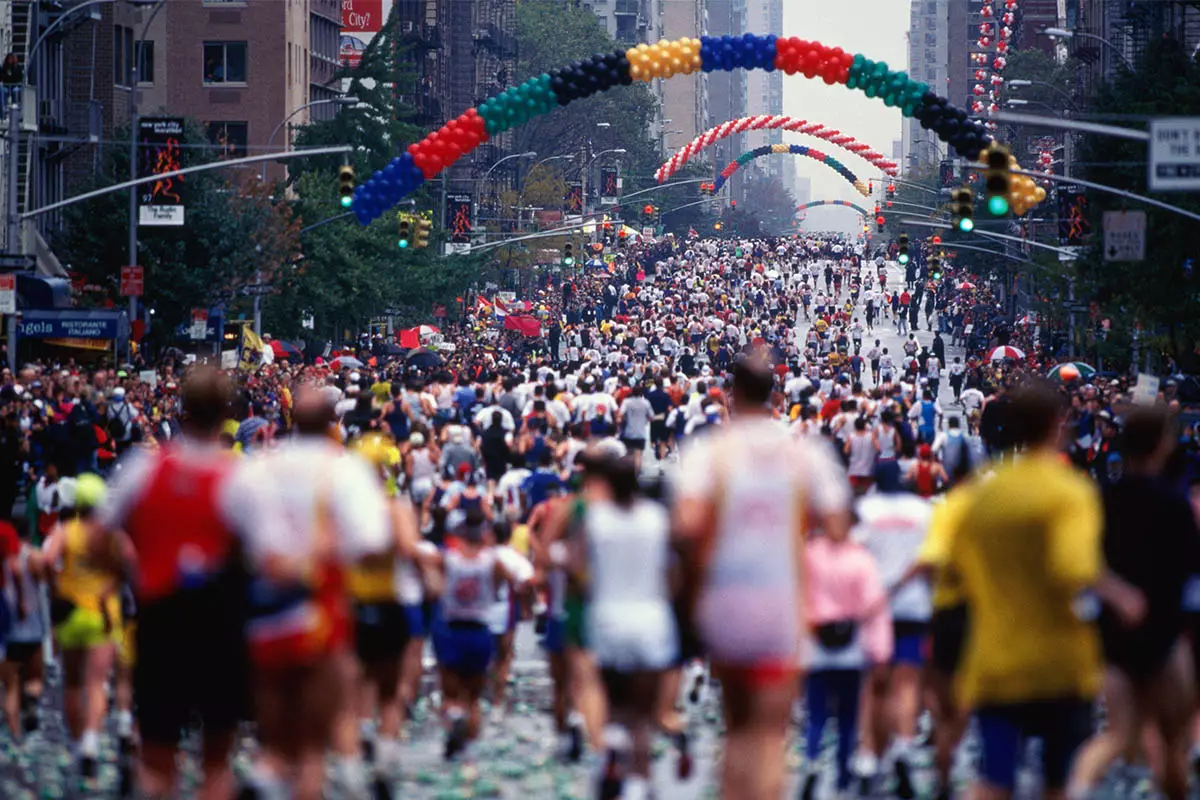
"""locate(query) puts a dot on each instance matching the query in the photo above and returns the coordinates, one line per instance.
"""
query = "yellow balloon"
(635, 72)
(1040, 194)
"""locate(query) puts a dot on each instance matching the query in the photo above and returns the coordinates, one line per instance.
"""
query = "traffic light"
(621, 235)
(935, 269)
(936, 239)
(649, 210)
(733, 203)
(423, 229)
(717, 226)
(903, 257)
(405, 232)
(891, 191)
(997, 180)
(963, 209)
(879, 223)
(707, 188)
(346, 185)
(568, 255)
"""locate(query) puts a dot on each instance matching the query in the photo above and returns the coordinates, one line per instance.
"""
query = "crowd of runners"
(711, 468)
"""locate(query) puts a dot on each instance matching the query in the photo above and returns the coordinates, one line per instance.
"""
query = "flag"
(250, 351)
(528, 326)
(692, 233)
(482, 306)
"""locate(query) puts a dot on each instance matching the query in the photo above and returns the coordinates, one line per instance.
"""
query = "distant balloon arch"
(540, 95)
(844, 203)
(789, 149)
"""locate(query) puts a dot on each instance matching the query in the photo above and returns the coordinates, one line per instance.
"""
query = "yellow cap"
(90, 491)
(230, 428)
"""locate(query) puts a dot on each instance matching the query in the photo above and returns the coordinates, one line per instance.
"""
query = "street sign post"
(8, 294)
(1124, 235)
(1175, 154)
(132, 281)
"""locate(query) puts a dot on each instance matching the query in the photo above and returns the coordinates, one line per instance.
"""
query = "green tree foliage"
(1158, 292)
(235, 231)
(772, 205)
(552, 34)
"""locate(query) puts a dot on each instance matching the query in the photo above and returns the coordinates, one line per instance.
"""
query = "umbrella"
(392, 349)
(966, 286)
(285, 349)
(346, 362)
(1071, 370)
(1001, 353)
(424, 358)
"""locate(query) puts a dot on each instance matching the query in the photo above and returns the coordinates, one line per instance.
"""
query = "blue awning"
(37, 291)
(73, 324)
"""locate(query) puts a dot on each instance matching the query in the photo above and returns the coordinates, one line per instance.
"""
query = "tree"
(552, 34)
(235, 232)
(1160, 293)
(772, 205)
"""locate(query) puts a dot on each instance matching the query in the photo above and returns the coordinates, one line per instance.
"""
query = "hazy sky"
(876, 28)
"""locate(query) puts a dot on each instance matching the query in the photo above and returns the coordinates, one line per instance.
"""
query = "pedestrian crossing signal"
(346, 185)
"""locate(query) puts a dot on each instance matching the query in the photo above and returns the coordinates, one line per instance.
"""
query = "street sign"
(1124, 235)
(132, 281)
(8, 294)
(199, 329)
(1175, 154)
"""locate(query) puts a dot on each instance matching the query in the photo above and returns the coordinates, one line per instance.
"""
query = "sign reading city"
(160, 202)
(133, 281)
(361, 20)
(1175, 154)
(8, 294)
(1124, 235)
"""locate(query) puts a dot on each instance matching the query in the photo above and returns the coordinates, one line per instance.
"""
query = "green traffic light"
(997, 205)
(903, 259)
(966, 224)
(937, 276)
(568, 261)
(347, 201)
(403, 243)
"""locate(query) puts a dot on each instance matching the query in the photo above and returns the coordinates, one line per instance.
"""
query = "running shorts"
(416, 620)
(464, 648)
(1063, 725)
(948, 629)
(554, 640)
(192, 661)
(21, 652)
(576, 622)
(81, 628)
(911, 638)
(380, 631)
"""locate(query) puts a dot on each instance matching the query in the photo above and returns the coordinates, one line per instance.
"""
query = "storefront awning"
(73, 324)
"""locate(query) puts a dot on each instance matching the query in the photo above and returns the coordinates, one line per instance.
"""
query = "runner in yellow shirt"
(1028, 551)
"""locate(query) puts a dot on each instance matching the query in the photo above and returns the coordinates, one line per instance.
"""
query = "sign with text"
(160, 202)
(132, 281)
(1175, 154)
(70, 325)
(459, 217)
(8, 294)
(1124, 235)
(362, 16)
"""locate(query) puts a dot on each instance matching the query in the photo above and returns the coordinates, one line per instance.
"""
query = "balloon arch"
(772, 123)
(792, 149)
(542, 94)
(846, 203)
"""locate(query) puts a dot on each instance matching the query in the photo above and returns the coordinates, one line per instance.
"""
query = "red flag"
(408, 338)
(528, 326)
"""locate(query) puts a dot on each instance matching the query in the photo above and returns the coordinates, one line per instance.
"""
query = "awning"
(73, 324)
(81, 344)
(40, 292)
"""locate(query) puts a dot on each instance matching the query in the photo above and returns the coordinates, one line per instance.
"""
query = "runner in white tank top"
(745, 495)
(22, 658)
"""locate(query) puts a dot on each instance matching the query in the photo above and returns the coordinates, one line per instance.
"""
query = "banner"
(574, 199)
(610, 186)
(160, 202)
(1073, 223)
(73, 324)
(459, 218)
(250, 351)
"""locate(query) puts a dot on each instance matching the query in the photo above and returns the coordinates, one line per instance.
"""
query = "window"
(231, 137)
(224, 62)
(122, 55)
(145, 64)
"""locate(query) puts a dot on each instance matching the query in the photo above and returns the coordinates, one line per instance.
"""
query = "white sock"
(902, 747)
(124, 724)
(266, 782)
(635, 787)
(574, 720)
(89, 744)
(865, 764)
(388, 754)
(349, 773)
(366, 729)
(617, 739)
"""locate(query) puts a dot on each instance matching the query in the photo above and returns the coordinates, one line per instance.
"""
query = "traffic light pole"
(946, 226)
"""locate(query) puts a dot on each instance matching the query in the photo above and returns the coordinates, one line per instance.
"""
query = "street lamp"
(343, 100)
(1019, 83)
(1064, 33)
(554, 158)
(529, 154)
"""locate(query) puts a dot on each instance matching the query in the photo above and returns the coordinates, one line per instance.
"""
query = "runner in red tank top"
(926, 475)
(184, 510)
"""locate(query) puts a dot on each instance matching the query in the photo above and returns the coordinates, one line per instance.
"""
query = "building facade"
(929, 62)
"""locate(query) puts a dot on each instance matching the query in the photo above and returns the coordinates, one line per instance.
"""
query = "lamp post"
(1019, 83)
(1064, 33)
(344, 100)
(484, 177)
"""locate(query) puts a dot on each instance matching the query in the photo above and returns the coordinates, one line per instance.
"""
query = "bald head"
(313, 412)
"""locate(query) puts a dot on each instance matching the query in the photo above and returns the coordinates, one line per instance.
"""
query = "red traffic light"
(649, 209)
(937, 239)
(889, 203)
(733, 203)
(891, 187)
(621, 233)
(880, 220)
(608, 226)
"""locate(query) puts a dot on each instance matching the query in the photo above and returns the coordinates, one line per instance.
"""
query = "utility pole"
(12, 242)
